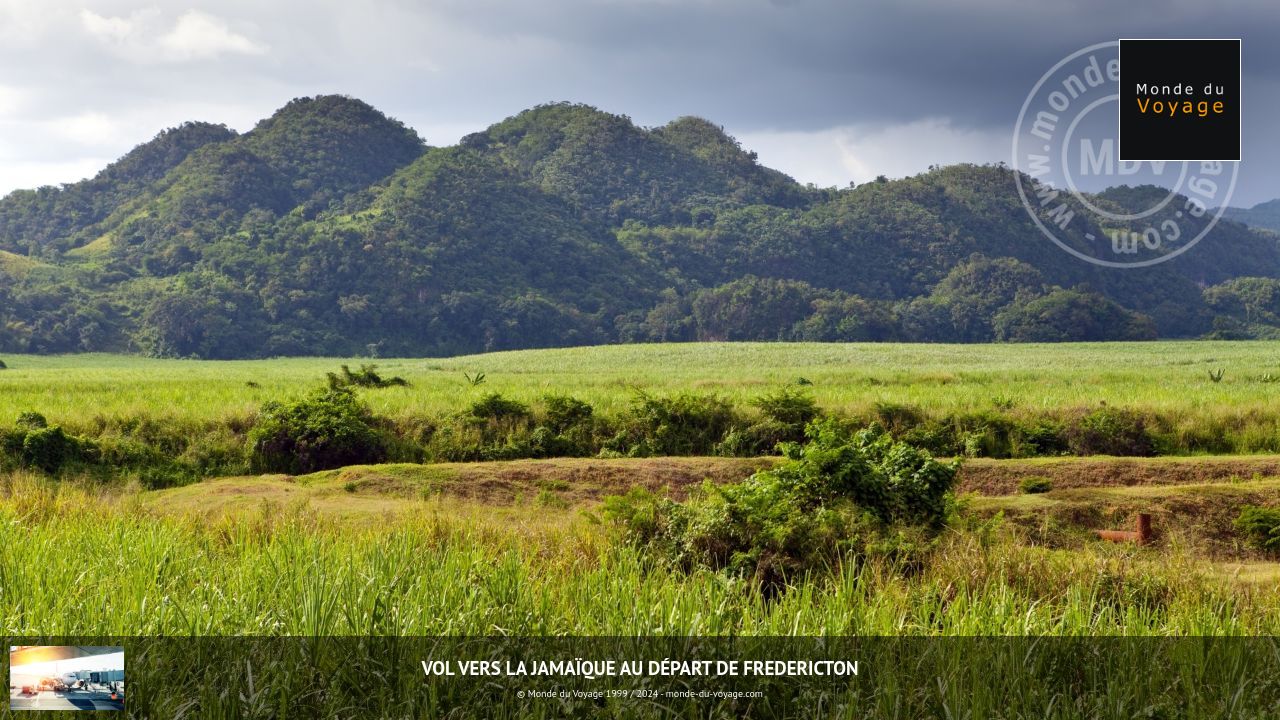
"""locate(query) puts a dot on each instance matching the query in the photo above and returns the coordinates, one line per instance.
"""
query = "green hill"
(330, 228)
(1263, 215)
(31, 220)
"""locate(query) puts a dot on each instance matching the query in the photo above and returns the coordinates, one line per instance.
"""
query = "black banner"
(869, 677)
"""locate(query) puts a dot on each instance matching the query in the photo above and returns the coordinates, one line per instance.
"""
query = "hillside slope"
(330, 228)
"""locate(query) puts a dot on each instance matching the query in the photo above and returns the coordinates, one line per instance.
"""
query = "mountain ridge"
(330, 228)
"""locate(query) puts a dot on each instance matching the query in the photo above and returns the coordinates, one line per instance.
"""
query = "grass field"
(309, 556)
(1171, 377)
(519, 547)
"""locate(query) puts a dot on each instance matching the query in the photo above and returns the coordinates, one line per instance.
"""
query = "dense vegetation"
(165, 422)
(331, 229)
(839, 494)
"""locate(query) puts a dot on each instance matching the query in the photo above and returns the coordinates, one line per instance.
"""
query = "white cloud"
(112, 29)
(859, 153)
(142, 36)
(14, 175)
(12, 100)
(90, 128)
(199, 36)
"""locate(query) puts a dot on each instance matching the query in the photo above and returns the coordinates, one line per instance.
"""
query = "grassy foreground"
(445, 566)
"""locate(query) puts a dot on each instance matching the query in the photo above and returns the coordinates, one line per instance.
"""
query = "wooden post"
(1144, 528)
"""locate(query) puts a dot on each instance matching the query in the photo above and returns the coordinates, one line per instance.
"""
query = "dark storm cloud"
(81, 81)
(810, 65)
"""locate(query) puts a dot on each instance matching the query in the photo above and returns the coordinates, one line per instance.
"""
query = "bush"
(50, 448)
(760, 438)
(3, 366)
(366, 376)
(1035, 484)
(838, 493)
(1260, 527)
(328, 429)
(789, 407)
(565, 413)
(786, 413)
(1109, 431)
(898, 417)
(684, 424)
(32, 420)
(495, 407)
(1043, 436)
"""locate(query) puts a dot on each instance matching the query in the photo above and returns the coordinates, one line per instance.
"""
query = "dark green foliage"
(31, 420)
(840, 492)
(3, 366)
(1035, 484)
(784, 416)
(684, 424)
(898, 417)
(330, 229)
(752, 309)
(36, 444)
(324, 430)
(565, 413)
(47, 448)
(495, 407)
(1109, 431)
(1247, 307)
(1069, 316)
(1260, 526)
(976, 290)
(788, 406)
(366, 377)
(32, 220)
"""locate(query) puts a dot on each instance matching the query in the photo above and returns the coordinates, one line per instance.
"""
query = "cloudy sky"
(830, 91)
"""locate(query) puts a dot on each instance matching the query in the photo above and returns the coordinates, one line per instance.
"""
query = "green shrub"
(3, 366)
(1109, 431)
(785, 415)
(838, 493)
(1260, 527)
(49, 448)
(788, 406)
(684, 424)
(762, 438)
(327, 429)
(1035, 484)
(32, 420)
(11, 446)
(565, 413)
(495, 407)
(1042, 436)
(898, 417)
(366, 377)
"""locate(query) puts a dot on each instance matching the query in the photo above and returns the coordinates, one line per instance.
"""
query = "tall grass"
(80, 562)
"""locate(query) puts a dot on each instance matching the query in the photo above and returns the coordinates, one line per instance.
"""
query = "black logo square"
(1179, 100)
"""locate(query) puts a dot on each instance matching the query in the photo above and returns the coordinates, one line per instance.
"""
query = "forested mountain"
(331, 229)
(1263, 215)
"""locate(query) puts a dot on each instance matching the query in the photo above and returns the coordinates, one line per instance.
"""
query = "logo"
(1101, 209)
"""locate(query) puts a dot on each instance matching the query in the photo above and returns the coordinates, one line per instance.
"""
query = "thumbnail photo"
(66, 677)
